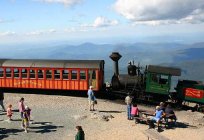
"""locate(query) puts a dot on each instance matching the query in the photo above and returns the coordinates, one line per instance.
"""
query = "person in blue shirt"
(159, 114)
(91, 98)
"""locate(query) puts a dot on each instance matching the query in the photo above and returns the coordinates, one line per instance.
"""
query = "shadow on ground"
(4, 133)
(111, 111)
(44, 127)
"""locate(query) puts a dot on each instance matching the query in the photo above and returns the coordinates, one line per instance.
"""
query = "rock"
(78, 117)
(101, 116)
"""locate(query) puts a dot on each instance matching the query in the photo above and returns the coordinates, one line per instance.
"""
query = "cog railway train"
(153, 83)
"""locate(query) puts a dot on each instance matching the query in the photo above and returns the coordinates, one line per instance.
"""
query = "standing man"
(2, 100)
(128, 101)
(91, 98)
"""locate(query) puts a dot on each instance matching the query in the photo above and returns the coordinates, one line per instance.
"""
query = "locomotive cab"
(158, 79)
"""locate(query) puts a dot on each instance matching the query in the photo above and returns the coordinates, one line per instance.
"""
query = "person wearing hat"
(28, 110)
(159, 114)
(91, 98)
(128, 101)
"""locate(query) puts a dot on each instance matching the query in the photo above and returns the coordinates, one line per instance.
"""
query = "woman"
(80, 133)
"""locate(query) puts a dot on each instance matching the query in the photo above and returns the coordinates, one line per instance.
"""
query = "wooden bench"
(140, 119)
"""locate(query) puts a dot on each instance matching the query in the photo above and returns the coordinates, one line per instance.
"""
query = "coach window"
(8, 72)
(40, 74)
(65, 74)
(1, 72)
(74, 75)
(57, 74)
(48, 74)
(24, 73)
(83, 75)
(16, 73)
(32, 74)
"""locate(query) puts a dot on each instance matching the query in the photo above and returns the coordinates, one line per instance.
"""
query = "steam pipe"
(115, 56)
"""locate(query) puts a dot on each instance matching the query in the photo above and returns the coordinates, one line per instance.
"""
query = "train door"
(92, 78)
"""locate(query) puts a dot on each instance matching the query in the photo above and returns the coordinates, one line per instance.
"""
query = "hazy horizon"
(107, 21)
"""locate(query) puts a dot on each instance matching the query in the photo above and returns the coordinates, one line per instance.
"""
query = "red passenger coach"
(51, 74)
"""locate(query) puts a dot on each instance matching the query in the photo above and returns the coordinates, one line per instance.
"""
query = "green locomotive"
(155, 83)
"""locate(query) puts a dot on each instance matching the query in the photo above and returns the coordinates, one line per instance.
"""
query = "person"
(135, 112)
(91, 98)
(80, 133)
(162, 106)
(21, 108)
(128, 101)
(159, 114)
(28, 110)
(2, 100)
(169, 110)
(25, 120)
(9, 112)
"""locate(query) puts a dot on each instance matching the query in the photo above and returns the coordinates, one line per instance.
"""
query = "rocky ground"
(55, 117)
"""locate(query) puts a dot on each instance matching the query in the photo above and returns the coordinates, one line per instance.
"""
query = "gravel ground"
(55, 117)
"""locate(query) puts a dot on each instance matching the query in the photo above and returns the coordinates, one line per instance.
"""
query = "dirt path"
(55, 117)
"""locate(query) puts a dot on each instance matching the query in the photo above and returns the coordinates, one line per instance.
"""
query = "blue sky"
(101, 21)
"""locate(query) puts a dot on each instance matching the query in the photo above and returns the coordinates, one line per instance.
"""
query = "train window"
(8, 72)
(32, 73)
(24, 73)
(48, 74)
(57, 74)
(74, 75)
(163, 79)
(40, 74)
(155, 78)
(65, 74)
(1, 72)
(82, 75)
(16, 73)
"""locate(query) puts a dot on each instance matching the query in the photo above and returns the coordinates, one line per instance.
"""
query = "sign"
(194, 93)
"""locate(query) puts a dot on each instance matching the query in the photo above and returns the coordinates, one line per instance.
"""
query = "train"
(153, 83)
(69, 75)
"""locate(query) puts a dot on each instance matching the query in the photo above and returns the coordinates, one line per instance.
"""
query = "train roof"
(164, 70)
(34, 63)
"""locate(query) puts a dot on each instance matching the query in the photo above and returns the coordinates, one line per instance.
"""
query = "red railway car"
(51, 74)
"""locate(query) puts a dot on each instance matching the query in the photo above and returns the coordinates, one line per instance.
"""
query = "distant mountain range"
(190, 58)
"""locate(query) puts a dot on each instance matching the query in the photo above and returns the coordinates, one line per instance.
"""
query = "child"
(9, 112)
(25, 120)
(28, 110)
(80, 133)
(135, 112)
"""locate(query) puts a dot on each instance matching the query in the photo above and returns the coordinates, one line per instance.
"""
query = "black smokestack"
(115, 56)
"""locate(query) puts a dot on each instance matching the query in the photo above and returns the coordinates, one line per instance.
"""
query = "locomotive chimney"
(115, 56)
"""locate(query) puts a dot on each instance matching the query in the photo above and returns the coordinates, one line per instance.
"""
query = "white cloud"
(5, 21)
(156, 12)
(76, 29)
(41, 32)
(1, 20)
(7, 33)
(65, 2)
(103, 21)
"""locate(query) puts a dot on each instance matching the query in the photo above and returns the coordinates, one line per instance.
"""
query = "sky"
(101, 21)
